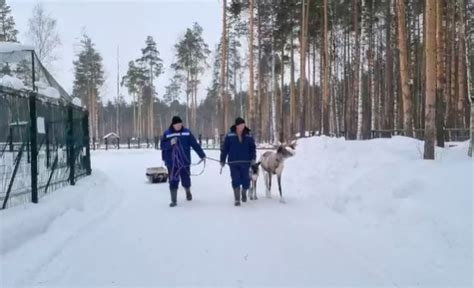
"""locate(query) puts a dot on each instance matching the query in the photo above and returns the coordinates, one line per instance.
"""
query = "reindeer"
(273, 163)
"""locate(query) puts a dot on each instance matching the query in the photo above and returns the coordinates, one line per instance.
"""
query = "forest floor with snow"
(360, 213)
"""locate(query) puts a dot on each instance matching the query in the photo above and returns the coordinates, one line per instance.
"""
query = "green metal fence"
(44, 144)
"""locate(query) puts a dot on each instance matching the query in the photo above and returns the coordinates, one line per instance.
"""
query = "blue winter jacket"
(237, 150)
(186, 141)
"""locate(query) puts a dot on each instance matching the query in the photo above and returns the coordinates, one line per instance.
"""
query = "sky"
(123, 24)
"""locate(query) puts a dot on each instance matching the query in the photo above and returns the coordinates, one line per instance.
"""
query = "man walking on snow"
(176, 145)
(239, 147)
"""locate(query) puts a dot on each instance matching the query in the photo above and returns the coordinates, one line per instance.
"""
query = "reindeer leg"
(282, 200)
(255, 191)
(270, 176)
(267, 184)
(251, 189)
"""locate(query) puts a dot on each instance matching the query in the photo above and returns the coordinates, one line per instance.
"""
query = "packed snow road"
(357, 214)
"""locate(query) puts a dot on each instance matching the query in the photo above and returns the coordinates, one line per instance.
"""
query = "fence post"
(46, 124)
(106, 143)
(200, 140)
(147, 142)
(118, 143)
(34, 148)
(11, 139)
(128, 142)
(138, 142)
(70, 145)
(93, 143)
(28, 149)
(85, 129)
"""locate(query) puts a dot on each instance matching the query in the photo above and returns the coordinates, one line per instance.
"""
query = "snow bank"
(28, 229)
(12, 82)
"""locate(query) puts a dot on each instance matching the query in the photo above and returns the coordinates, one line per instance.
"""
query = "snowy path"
(122, 232)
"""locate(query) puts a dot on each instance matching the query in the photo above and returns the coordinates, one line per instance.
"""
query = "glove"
(203, 159)
(174, 141)
(222, 164)
(253, 162)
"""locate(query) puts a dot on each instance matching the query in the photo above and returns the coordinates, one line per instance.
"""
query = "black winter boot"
(237, 196)
(189, 196)
(174, 195)
(244, 195)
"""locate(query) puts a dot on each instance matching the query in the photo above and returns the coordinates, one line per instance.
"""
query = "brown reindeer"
(273, 163)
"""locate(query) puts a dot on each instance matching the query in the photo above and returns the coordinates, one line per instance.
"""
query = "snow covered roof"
(111, 135)
(6, 47)
(15, 56)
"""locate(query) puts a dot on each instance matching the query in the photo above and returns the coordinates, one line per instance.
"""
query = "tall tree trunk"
(440, 103)
(326, 72)
(469, 68)
(370, 62)
(281, 102)
(361, 55)
(346, 85)
(134, 107)
(461, 66)
(404, 78)
(222, 84)
(451, 102)
(430, 132)
(303, 40)
(274, 85)
(292, 91)
(316, 102)
(388, 101)
(355, 71)
(259, 100)
(251, 102)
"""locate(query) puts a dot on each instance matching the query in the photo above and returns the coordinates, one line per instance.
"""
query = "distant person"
(176, 145)
(240, 150)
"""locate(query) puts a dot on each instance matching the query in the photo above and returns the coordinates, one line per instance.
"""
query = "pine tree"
(133, 80)
(172, 90)
(7, 24)
(89, 77)
(151, 67)
(191, 54)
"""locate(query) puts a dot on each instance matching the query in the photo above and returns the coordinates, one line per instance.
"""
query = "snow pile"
(76, 101)
(358, 213)
(50, 92)
(41, 85)
(12, 82)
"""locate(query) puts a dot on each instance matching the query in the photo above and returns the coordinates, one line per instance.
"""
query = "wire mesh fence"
(44, 144)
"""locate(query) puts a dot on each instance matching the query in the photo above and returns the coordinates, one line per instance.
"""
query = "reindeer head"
(286, 150)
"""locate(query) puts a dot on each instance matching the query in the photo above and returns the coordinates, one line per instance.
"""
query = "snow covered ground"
(367, 213)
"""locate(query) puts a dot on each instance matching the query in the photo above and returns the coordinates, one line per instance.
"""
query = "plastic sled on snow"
(157, 174)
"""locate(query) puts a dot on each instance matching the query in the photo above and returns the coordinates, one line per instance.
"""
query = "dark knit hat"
(176, 120)
(239, 121)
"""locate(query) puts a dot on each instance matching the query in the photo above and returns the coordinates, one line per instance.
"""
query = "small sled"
(157, 174)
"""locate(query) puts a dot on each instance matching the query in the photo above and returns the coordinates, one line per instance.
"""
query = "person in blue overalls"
(239, 147)
(176, 145)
